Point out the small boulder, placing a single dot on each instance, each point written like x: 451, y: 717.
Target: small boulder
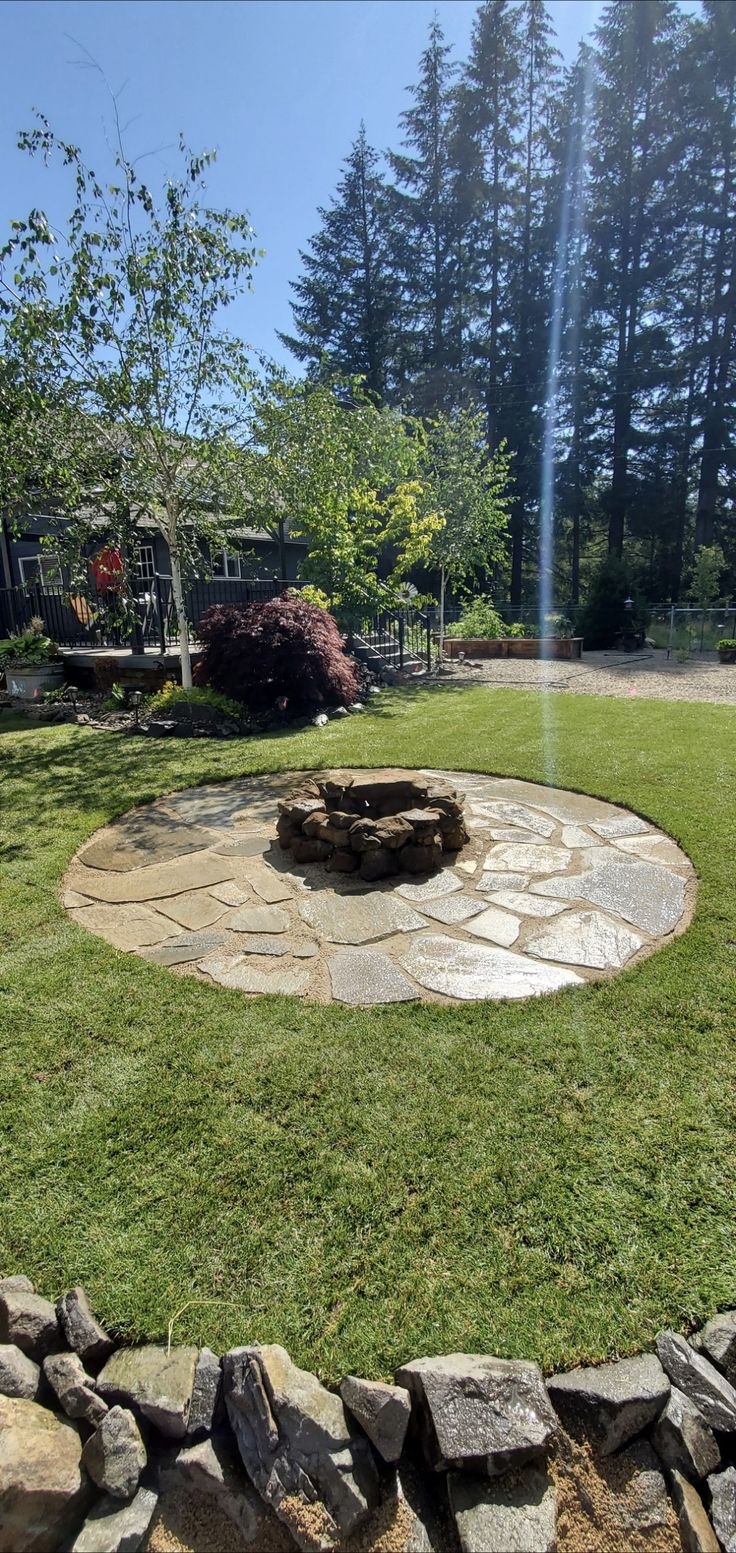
x: 297, y: 1446
x: 722, y: 1487
x: 320, y: 721
x: 82, y: 1332
x: 206, y: 1404
x: 43, y: 1489
x: 74, y: 1388
x: 682, y: 1439
x: 477, y: 1412
x: 509, y: 1515
x: 699, y: 1379
x: 157, y: 1381
x: 210, y: 1468
x: 16, y: 1283
x: 112, y: 1527
x: 611, y: 1403
x: 696, y: 1531
x: 115, y: 1456
x: 19, y: 1376
x: 717, y: 1341
x: 29, y: 1322
x: 382, y: 1411
x: 645, y: 1506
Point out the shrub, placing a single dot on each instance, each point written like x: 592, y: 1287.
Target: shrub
x: 172, y: 698
x: 287, y: 651
x: 480, y: 620
x: 604, y: 615
x: 29, y: 649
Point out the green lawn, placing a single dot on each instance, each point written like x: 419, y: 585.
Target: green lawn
x: 551, y: 1178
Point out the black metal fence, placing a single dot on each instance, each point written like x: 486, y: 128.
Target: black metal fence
x: 96, y: 619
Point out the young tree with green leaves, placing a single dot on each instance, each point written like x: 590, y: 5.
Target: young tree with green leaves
x: 464, y: 497
x: 117, y: 324
x: 331, y: 460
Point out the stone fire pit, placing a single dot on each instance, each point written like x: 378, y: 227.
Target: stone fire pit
x: 377, y: 824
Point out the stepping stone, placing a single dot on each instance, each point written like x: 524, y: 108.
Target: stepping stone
x: 517, y: 814
x: 507, y: 833
x: 303, y: 948
x: 620, y: 825
x: 125, y: 927
x: 527, y: 905
x: 154, y: 883
x: 499, y: 927
x: 235, y: 972
x: 268, y: 884
x: 649, y: 897
x: 258, y: 919
x: 470, y: 971
x: 528, y: 859
x: 443, y: 883
x: 264, y: 943
x: 144, y: 838
x: 219, y: 805
x: 573, y: 836
x: 72, y: 898
x: 195, y: 911
x: 230, y: 893
x: 492, y: 882
x: 361, y: 976
x: 585, y: 938
x: 452, y: 909
x: 467, y: 868
x: 189, y: 946
x: 358, y: 919
x: 653, y: 849
x: 244, y: 846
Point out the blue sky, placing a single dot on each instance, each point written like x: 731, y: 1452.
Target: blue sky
x: 277, y: 86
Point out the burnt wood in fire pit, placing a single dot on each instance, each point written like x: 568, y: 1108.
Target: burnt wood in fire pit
x: 380, y: 825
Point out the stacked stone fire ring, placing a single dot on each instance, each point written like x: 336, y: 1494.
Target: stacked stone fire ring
x: 379, y: 823
x: 549, y: 889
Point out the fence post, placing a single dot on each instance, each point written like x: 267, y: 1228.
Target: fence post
x: 160, y: 608
x: 429, y: 642
x: 401, y: 641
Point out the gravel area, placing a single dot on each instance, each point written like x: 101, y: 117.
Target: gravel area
x: 651, y: 675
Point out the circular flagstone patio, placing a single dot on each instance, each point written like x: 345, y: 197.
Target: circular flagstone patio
x: 553, y: 889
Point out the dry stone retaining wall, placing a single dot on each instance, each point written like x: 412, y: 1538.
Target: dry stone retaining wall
x: 463, y: 1453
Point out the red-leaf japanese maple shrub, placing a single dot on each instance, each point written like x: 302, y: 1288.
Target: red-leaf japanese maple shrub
x: 286, y: 654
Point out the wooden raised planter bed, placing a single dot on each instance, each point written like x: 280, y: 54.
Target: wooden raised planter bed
x: 515, y: 647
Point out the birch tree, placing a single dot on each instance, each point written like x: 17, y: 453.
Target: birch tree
x: 118, y: 319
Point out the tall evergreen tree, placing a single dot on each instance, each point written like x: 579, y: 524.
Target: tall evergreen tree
x: 634, y: 152
x: 347, y: 297
x: 423, y: 202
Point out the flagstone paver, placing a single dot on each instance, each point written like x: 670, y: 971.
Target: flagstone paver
x: 188, y: 946
x: 651, y: 897
x: 585, y: 938
x: 537, y: 859
x: 553, y: 889
x: 471, y: 971
x: 195, y: 911
x: 361, y: 976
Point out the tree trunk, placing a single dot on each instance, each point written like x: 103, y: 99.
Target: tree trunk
x: 183, y: 623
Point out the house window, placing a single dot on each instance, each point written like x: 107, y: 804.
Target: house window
x: 145, y: 566
x: 225, y: 564
x: 43, y: 569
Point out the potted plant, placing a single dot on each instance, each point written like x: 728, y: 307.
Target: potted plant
x: 32, y: 664
x: 727, y: 649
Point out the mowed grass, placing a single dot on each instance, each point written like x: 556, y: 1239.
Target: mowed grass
x: 550, y: 1179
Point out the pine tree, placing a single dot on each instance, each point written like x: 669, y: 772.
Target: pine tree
x: 347, y: 297
x: 719, y: 396
x: 634, y: 154
x: 423, y: 203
